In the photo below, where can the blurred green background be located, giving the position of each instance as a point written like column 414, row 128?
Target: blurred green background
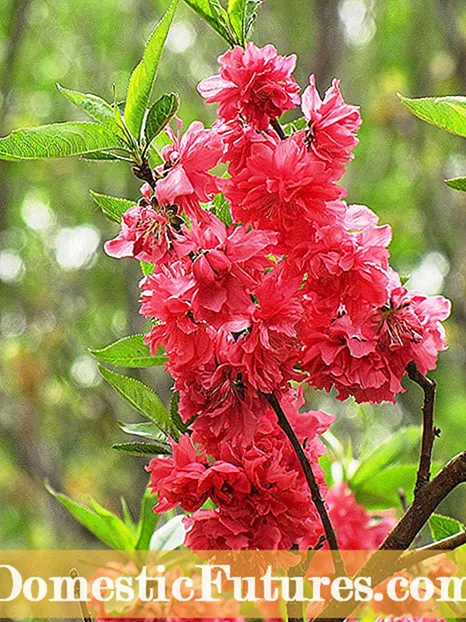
column 60, row 294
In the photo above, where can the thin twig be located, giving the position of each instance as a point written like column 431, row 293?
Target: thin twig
column 278, row 128
column 311, row 481
column 429, row 432
column 404, row 532
column 143, row 171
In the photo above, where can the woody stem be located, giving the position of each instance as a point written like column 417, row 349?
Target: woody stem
column 429, row 432
column 311, row 481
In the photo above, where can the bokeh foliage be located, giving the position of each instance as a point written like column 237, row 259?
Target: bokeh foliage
column 60, row 294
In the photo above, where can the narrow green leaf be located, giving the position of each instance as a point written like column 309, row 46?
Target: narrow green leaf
column 457, row 183
column 242, row 15
column 175, row 415
column 444, row 526
column 143, row 77
column 159, row 115
column 448, row 113
column 130, row 352
column 143, row 449
column 143, row 430
column 107, row 527
column 142, row 399
column 212, row 12
column 222, row 209
column 148, row 520
column 170, row 536
column 59, row 140
column 127, row 518
column 112, row 207
column 386, row 454
column 96, row 107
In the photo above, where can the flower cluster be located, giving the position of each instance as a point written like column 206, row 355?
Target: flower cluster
column 297, row 288
column 261, row 498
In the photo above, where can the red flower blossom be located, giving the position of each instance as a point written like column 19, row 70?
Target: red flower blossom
column 186, row 178
column 356, row 529
column 175, row 479
column 284, row 188
column 255, row 83
column 332, row 124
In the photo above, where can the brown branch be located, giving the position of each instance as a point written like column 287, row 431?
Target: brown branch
column 311, row 481
column 425, row 502
column 402, row 535
column 429, row 432
column 416, row 556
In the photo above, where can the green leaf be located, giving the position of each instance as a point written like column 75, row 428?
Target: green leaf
column 143, row 77
column 127, row 518
column 457, row 183
column 112, row 207
column 444, row 526
column 386, row 454
column 141, row 398
column 107, row 527
column 130, row 352
column 146, row 268
column 381, row 490
column 143, row 449
column 222, row 209
column 159, row 115
column 170, row 536
column 448, row 113
column 144, row 430
column 59, row 140
column 96, row 107
column 175, row 415
column 148, row 520
column 242, row 15
column 104, row 156
column 326, row 465
column 212, row 12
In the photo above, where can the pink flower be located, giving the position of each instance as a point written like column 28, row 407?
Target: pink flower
column 341, row 354
column 332, row 124
column 167, row 297
column 227, row 264
column 147, row 235
column 410, row 327
column 284, row 188
column 368, row 358
column 347, row 264
column 270, row 345
column 255, row 83
column 276, row 512
column 226, row 409
column 175, row 479
column 238, row 139
column 356, row 529
column 186, row 178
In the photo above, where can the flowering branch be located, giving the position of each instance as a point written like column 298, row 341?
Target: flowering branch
column 402, row 535
column 311, row 481
column 429, row 432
